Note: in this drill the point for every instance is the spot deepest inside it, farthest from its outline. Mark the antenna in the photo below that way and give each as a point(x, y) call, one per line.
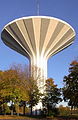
point(37, 7)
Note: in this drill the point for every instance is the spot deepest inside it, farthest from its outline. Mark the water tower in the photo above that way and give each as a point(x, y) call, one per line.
point(38, 38)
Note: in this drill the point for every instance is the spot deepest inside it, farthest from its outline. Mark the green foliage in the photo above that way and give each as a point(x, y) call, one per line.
point(13, 86)
point(70, 89)
point(33, 92)
point(52, 96)
point(7, 110)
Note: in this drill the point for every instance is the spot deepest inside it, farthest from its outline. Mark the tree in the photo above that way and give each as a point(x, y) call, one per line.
point(64, 111)
point(52, 95)
point(23, 85)
point(17, 86)
point(70, 89)
point(12, 87)
point(33, 92)
point(29, 83)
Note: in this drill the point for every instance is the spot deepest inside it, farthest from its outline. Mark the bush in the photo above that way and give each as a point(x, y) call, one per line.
point(7, 110)
point(54, 112)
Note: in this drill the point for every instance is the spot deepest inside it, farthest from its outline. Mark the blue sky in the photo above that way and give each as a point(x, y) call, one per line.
point(66, 10)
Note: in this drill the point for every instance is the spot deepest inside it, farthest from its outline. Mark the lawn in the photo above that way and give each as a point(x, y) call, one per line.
point(15, 117)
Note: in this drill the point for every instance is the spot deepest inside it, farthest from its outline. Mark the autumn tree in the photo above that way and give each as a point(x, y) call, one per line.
point(52, 95)
point(70, 89)
point(23, 75)
point(64, 110)
point(29, 83)
point(34, 94)
point(12, 87)
point(18, 85)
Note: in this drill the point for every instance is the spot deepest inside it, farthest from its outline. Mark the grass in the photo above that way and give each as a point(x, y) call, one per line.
point(14, 117)
point(69, 117)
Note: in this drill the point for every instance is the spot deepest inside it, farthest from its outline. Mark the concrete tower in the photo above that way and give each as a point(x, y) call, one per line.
point(38, 38)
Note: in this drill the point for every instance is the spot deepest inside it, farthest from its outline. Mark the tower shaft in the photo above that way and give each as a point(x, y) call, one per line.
point(39, 70)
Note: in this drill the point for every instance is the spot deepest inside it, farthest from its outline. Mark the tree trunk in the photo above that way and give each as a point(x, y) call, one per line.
point(71, 110)
point(23, 109)
point(48, 108)
point(17, 108)
point(31, 109)
point(11, 112)
point(18, 111)
point(36, 112)
point(18, 114)
point(48, 111)
point(74, 110)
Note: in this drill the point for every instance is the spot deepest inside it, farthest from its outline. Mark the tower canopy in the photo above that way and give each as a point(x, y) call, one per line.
point(38, 36)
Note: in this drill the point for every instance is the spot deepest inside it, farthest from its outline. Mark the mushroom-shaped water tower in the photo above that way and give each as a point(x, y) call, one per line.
point(38, 38)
